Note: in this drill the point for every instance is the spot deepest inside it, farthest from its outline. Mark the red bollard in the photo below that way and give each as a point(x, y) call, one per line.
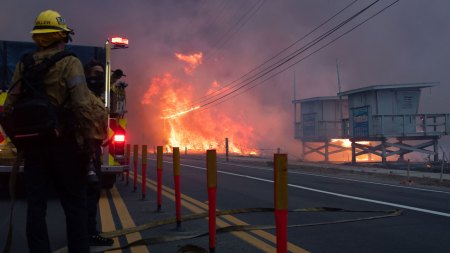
point(159, 168)
point(135, 165)
point(144, 170)
point(211, 169)
point(176, 179)
point(281, 200)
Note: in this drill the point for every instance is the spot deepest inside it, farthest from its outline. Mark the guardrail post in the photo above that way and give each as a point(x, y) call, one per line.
point(425, 124)
point(159, 169)
point(211, 169)
point(135, 164)
point(176, 179)
point(144, 170)
point(281, 200)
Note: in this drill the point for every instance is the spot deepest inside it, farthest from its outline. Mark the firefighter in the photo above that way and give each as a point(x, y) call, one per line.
point(118, 96)
point(95, 77)
point(59, 161)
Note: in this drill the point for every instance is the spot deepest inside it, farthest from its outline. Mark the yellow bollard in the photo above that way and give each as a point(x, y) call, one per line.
point(159, 169)
point(144, 170)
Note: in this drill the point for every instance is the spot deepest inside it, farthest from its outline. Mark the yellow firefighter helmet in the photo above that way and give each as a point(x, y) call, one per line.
point(50, 21)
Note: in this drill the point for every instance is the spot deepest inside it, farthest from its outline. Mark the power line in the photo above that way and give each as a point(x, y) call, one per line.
point(216, 8)
point(297, 41)
point(229, 85)
point(247, 81)
point(207, 105)
point(307, 46)
point(273, 67)
point(219, 16)
point(235, 28)
point(288, 58)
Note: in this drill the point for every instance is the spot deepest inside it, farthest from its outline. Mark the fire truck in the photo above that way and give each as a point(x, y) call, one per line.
point(114, 160)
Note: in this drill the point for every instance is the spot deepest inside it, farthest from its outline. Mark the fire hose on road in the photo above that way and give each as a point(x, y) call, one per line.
point(279, 181)
point(381, 214)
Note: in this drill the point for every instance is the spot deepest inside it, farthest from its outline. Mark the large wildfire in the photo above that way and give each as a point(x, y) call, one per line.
point(189, 126)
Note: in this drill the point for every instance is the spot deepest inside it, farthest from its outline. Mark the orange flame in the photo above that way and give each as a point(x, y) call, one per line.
point(199, 131)
point(193, 61)
point(346, 143)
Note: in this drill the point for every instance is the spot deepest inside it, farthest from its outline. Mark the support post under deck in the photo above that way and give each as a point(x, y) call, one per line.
point(436, 149)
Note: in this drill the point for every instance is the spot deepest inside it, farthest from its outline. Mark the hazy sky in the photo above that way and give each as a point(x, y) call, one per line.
point(409, 42)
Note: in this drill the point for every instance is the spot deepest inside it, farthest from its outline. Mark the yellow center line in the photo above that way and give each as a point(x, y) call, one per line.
point(106, 219)
point(127, 221)
point(220, 223)
point(268, 236)
point(233, 220)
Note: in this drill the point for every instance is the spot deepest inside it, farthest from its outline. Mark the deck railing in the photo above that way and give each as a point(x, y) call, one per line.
point(322, 131)
point(408, 125)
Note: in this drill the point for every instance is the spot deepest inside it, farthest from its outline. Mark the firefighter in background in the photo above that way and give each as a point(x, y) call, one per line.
point(95, 78)
point(118, 95)
point(60, 161)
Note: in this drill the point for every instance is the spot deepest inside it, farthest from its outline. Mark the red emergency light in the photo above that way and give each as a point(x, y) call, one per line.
point(119, 41)
point(119, 138)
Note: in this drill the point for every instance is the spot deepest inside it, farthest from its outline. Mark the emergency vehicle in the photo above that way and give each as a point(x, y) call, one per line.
point(114, 160)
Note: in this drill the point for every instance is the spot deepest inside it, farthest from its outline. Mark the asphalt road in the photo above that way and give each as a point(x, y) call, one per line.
point(423, 225)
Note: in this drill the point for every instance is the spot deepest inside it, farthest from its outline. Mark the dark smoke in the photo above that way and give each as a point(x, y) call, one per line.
point(407, 43)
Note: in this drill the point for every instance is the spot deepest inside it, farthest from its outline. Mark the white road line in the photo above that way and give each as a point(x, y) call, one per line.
point(334, 194)
point(346, 179)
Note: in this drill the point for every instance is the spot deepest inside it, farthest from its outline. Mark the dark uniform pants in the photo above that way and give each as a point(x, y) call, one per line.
point(93, 193)
point(57, 163)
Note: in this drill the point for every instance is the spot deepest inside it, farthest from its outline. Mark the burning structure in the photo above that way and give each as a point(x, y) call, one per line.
point(382, 120)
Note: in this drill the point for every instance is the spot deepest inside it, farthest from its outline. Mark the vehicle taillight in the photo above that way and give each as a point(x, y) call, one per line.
point(119, 138)
point(119, 147)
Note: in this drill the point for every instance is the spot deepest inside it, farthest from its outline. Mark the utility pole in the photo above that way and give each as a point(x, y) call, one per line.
point(338, 76)
point(294, 88)
point(226, 148)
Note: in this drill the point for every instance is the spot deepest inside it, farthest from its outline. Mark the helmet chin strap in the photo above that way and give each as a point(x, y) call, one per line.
point(69, 37)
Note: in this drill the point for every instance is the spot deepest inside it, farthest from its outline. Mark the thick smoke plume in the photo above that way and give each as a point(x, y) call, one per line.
point(407, 43)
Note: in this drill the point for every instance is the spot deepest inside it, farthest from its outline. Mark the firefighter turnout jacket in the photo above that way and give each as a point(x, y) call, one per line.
point(65, 84)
